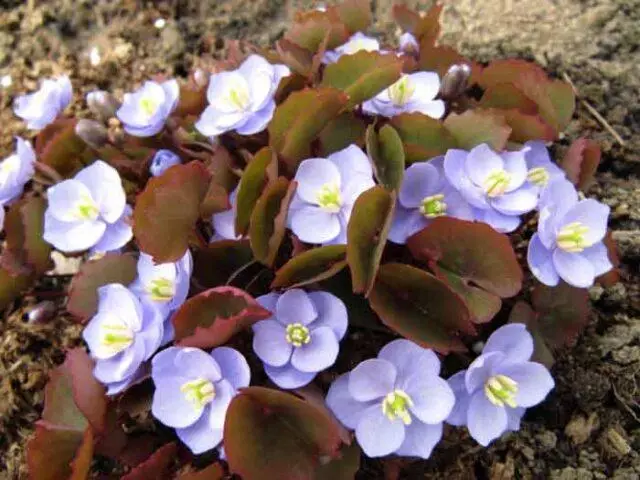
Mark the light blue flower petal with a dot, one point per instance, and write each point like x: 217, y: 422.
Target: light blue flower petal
x: 171, y: 406
x: 599, y: 258
x: 116, y: 235
x: 513, y: 340
x: 312, y: 175
x: 343, y: 405
x: 420, y: 439
x: 458, y: 415
x: 574, y: 268
x: 313, y: 225
x: 593, y: 215
x: 523, y: 200
x: 377, y: 435
x: 317, y: 355
x: 295, y: 306
x: 540, y: 261
x: 533, y: 379
x: 331, y: 312
x: 481, y: 369
x: 420, y: 180
x: 288, y: 377
x: 259, y: 120
x: 220, y: 403
x: 72, y: 236
x: 200, y: 437
x: 372, y: 379
x: 270, y: 343
x: 103, y: 181
x: 233, y: 366
x: 516, y: 165
x: 431, y: 395
x: 480, y: 162
x: 485, y: 421
x: 409, y: 358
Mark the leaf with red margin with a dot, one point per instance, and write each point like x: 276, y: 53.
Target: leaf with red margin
x: 420, y: 307
x: 472, y: 250
x: 24, y: 227
x: 356, y: 15
x: 310, y: 29
x: 81, y: 464
x: 483, y: 305
x: 83, y: 293
x: 555, y: 99
x: 478, y: 126
x: 158, y: 466
x: 268, y: 220
x: 425, y: 28
x: 525, y: 127
x: 212, y: 472
x: 58, y: 146
x: 367, y: 232
x: 262, y: 168
x: 343, y: 468
x: 272, y: 434
x: 581, y: 162
x: 423, y: 137
x: 212, y: 317
x: 563, y: 312
x: 344, y: 130
x: 167, y: 210
x: 299, y: 120
x: 362, y: 75
x: 312, y: 394
x: 523, y: 313
x: 386, y: 153
x: 297, y: 58
x: 312, y: 266
x: 227, y: 256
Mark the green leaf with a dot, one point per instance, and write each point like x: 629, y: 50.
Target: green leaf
x: 212, y: 317
x: 216, y: 200
x: 386, y: 152
x: 563, y: 312
x: 24, y: 227
x: 355, y: 14
x: 83, y: 293
x: 297, y: 58
x: 299, y: 120
x: 310, y: 29
x: 167, y: 210
x: 483, y: 305
x: 272, y: 434
x: 363, y: 75
x: 227, y: 256
x: 420, y: 307
x: 423, y: 137
x: 581, y: 162
x: 344, y: 130
x: 475, y: 127
x: 472, y: 250
x: 367, y: 235
x: 261, y: 168
x: 268, y: 220
x: 311, y: 266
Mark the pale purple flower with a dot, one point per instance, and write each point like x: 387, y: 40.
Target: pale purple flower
x: 193, y: 392
x: 16, y: 170
x: 162, y: 161
x: 243, y: 99
x: 408, y: 43
x: 357, y: 42
x: 42, y: 107
x: 301, y: 338
x: 144, y: 112
x: 494, y: 392
x: 224, y: 223
x: 541, y: 170
x: 396, y: 403
x: 88, y: 211
x: 165, y: 285
x: 123, y: 334
x: 327, y: 189
x: 569, y: 242
x: 425, y: 194
x: 494, y: 184
x: 414, y: 92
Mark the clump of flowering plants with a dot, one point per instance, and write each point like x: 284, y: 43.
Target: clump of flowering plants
x: 240, y: 226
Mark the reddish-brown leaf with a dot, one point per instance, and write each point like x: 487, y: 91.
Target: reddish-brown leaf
x: 273, y: 434
x: 83, y: 293
x: 312, y: 266
x: 423, y: 137
x: 310, y: 29
x: 58, y: 147
x: 51, y: 451
x: 475, y: 127
x: 356, y: 15
x: 216, y: 200
x: 482, y: 305
x: 212, y: 472
x: 227, y: 255
x: 211, y: 318
x: 581, y: 162
x: 167, y: 210
x: 158, y: 466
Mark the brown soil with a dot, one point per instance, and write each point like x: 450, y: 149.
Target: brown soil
x: 589, y: 428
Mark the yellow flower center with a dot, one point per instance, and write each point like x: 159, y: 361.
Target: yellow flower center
x: 239, y: 97
x: 396, y: 404
x: 199, y: 392
x: 538, y: 176
x: 571, y: 237
x: 115, y: 336
x: 86, y: 209
x: 328, y: 198
x: 497, y: 182
x: 297, y: 334
x: 501, y: 390
x: 161, y: 289
x: 149, y: 105
x: 402, y: 91
x: 433, y: 206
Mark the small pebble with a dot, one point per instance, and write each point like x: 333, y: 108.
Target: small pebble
x: 6, y: 81
x: 160, y: 23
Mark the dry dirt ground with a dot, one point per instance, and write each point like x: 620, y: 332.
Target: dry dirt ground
x: 590, y: 427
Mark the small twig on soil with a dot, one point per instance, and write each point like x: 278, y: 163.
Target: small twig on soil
x: 594, y: 112
x: 624, y: 403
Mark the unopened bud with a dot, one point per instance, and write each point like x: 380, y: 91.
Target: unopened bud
x: 200, y: 77
x: 93, y: 133
x: 454, y: 82
x: 41, y: 312
x: 102, y: 104
x: 408, y: 43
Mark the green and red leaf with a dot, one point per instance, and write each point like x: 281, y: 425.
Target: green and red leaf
x: 58, y: 147
x: 310, y: 29
x: 211, y: 318
x: 423, y: 137
x: 344, y: 130
x: 386, y: 152
x: 227, y: 255
x: 311, y: 266
x: 167, y: 210
x: 581, y: 162
x: 158, y: 466
x: 273, y: 434
x: 475, y: 127
x: 420, y: 307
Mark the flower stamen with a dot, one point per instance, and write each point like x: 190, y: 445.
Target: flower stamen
x: 433, y: 206
x: 297, y: 334
x: 395, y: 405
x: 86, y: 209
x: 329, y: 198
x: 161, y: 289
x: 149, y: 105
x: 571, y: 238
x: 538, y: 176
x: 199, y: 392
x: 501, y: 390
x: 115, y: 336
x: 402, y: 91
x: 497, y: 182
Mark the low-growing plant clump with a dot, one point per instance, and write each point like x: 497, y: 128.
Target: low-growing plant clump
x: 237, y: 226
